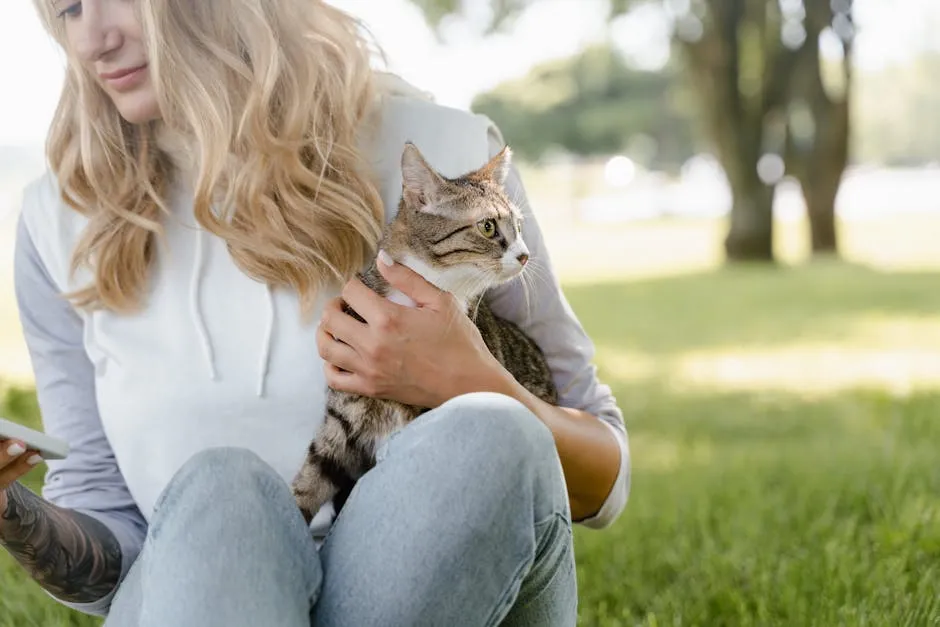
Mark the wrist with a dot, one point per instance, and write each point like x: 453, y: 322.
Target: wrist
x: 489, y: 377
x: 498, y: 380
x: 501, y: 381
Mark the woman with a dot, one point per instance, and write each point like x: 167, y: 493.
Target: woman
x: 218, y: 175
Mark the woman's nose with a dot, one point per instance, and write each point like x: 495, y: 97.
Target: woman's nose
x: 94, y: 33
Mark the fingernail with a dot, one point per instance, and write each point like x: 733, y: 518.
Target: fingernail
x: 386, y: 259
x: 16, y: 449
x: 34, y: 459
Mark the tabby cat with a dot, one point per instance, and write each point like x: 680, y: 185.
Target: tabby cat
x: 464, y: 236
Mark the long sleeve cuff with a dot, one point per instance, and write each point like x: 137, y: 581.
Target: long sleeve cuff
x: 617, y: 498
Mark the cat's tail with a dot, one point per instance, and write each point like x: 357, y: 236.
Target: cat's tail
x: 335, y: 460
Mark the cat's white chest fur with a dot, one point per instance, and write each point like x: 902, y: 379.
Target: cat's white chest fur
x: 461, y: 281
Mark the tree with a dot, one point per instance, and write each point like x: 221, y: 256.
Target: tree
x: 756, y: 68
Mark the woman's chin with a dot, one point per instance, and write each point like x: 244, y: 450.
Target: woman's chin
x: 137, y: 107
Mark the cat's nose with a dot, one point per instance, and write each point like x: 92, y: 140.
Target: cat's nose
x: 523, y: 258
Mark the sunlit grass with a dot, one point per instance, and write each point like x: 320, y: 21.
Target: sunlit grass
x: 812, y: 369
x: 899, y: 355
x: 797, y: 486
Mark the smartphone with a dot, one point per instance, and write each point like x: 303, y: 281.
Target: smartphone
x: 47, y: 446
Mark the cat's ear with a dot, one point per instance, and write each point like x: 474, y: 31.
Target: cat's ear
x: 497, y: 169
x: 420, y: 183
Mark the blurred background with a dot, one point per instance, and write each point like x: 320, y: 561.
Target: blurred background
x: 742, y: 199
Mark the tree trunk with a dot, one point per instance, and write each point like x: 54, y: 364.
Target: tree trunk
x: 820, y: 196
x: 820, y: 163
x: 751, y: 234
x: 736, y: 109
x: 818, y: 159
x: 821, y: 174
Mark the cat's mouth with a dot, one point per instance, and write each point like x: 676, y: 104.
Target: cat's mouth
x: 506, y: 273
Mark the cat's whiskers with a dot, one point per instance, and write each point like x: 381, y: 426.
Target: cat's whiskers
x: 517, y: 197
x: 476, y: 306
x: 476, y: 291
x: 524, y: 279
x: 536, y: 269
x: 480, y: 286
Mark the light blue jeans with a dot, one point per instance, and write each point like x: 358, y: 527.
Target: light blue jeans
x: 463, y: 521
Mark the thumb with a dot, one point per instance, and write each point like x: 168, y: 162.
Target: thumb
x: 409, y: 282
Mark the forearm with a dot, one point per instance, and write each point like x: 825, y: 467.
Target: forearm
x: 73, y: 556
x: 589, y: 453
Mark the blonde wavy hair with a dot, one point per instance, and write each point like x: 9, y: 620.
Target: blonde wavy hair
x: 272, y: 94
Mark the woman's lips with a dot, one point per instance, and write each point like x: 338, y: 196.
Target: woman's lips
x: 126, y: 79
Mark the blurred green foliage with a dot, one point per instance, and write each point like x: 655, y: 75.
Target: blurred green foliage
x: 502, y: 12
x: 594, y: 103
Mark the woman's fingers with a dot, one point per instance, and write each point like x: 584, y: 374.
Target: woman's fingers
x: 15, y: 461
x: 337, y: 353
x: 340, y: 324
x: 345, y: 381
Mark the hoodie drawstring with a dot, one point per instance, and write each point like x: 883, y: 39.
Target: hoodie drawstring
x: 200, y: 323
x: 266, y: 347
x: 194, y: 303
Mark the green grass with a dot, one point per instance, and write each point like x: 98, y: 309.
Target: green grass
x: 785, y: 429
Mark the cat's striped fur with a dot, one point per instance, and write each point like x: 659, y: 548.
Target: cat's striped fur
x: 463, y: 235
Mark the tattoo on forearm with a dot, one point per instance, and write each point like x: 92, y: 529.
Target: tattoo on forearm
x: 73, y: 556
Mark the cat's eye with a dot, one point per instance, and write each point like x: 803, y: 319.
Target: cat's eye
x: 487, y: 228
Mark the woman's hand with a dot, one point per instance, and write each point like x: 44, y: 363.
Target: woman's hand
x: 15, y: 461
x: 420, y: 356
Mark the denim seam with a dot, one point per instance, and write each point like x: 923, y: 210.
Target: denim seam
x: 559, y: 572
x: 503, y: 602
x: 565, y: 535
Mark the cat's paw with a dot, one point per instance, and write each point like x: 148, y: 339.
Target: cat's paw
x: 305, y: 504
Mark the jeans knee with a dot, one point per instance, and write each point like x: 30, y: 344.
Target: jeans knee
x: 497, y: 422
x: 220, y: 474
x: 497, y: 440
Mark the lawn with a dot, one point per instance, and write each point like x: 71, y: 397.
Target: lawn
x: 784, y: 429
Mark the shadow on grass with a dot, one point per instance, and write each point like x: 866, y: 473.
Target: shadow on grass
x: 741, y: 305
